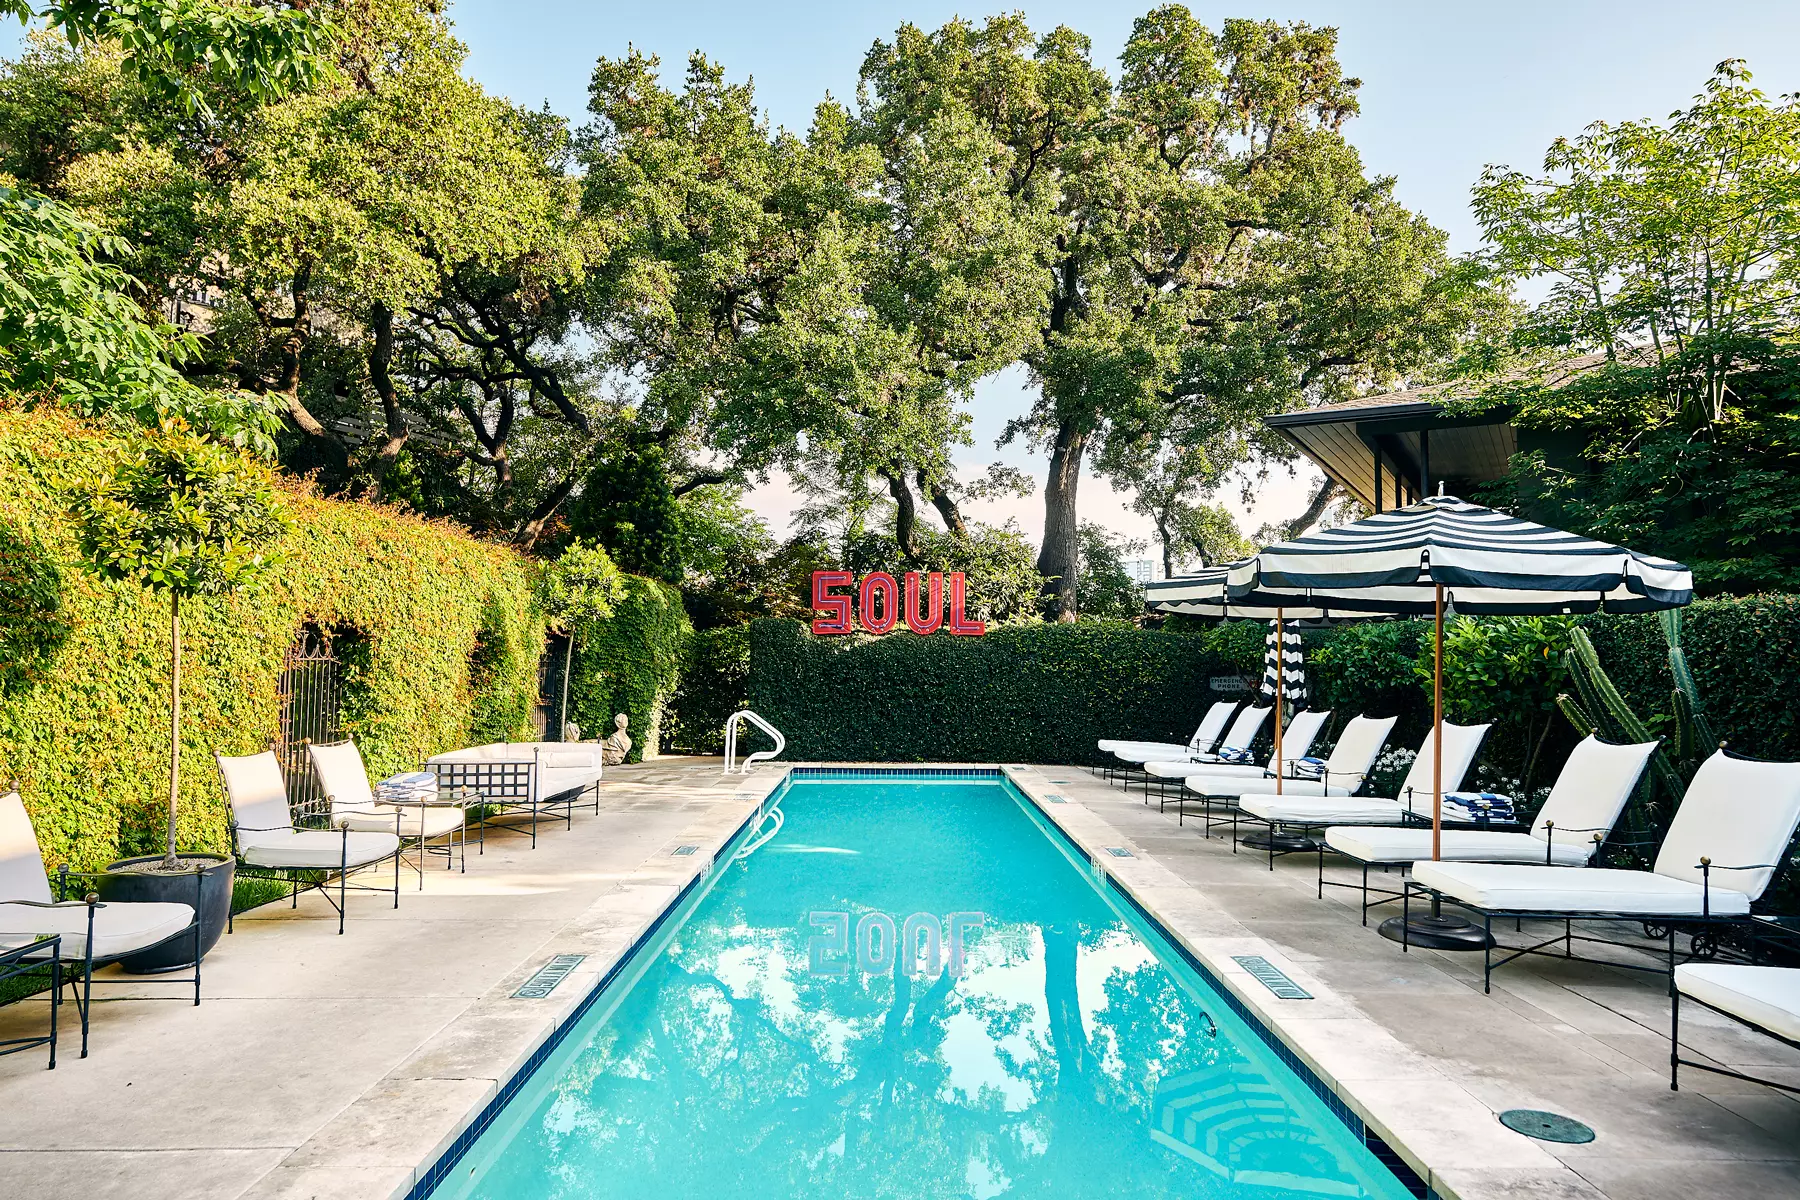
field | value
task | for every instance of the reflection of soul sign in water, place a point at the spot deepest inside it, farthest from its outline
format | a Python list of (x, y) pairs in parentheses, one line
[(918, 942)]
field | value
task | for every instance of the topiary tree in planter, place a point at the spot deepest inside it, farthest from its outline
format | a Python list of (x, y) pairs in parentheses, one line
[(580, 587), (188, 518)]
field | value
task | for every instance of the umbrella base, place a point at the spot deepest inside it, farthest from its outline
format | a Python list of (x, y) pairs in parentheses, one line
[(1280, 843), (1436, 932)]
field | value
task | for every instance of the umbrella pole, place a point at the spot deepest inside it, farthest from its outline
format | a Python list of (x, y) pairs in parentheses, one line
[(1437, 734), (1280, 687), (1436, 931)]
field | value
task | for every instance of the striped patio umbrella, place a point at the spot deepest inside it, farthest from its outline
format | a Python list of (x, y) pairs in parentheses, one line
[(1205, 594), (1284, 665), (1445, 553)]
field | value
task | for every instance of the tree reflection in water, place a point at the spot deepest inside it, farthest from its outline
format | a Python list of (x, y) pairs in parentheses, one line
[(1068, 1061)]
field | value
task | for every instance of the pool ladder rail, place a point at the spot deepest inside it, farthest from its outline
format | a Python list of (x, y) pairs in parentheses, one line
[(731, 736), (768, 824)]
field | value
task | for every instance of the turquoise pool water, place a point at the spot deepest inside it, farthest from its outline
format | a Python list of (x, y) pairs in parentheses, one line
[(914, 991)]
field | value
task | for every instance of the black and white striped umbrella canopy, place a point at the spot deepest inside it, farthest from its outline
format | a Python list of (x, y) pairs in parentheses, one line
[(1203, 594), (1487, 561), (1284, 666)]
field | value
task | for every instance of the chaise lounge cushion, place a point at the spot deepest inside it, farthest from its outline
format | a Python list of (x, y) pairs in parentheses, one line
[(1217, 783), (1295, 809), (119, 929), (1506, 887), (1767, 997), (1387, 844), (319, 849), (415, 820)]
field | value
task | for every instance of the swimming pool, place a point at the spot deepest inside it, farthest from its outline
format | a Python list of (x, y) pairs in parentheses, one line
[(916, 989)]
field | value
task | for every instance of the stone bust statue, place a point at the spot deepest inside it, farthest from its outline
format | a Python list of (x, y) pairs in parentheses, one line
[(614, 749), (571, 732)]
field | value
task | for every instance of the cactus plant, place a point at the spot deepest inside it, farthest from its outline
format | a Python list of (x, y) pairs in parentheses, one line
[(1599, 707)]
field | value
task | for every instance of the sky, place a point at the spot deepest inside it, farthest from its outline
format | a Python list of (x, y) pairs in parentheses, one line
[(1446, 89)]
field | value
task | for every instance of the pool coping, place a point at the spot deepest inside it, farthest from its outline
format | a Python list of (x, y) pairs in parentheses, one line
[(1428, 1124)]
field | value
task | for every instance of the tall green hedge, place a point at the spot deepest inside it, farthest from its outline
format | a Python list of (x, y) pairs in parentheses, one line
[(630, 664), (1033, 693), (715, 682), (446, 652)]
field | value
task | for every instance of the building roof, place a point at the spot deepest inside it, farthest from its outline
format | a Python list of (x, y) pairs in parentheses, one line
[(1411, 436)]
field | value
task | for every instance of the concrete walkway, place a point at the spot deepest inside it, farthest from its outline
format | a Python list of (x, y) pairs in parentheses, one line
[(325, 1066)]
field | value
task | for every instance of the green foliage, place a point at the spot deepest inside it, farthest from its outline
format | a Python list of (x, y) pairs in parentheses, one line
[(1370, 669), (580, 587), (1240, 645), (1105, 589), (715, 683), (630, 663), (182, 49), (71, 331), (628, 507), (180, 515), (32, 624), (1031, 693), (1671, 249), (448, 635), (1507, 671)]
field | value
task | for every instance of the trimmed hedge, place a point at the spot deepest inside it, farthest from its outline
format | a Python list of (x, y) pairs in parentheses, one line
[(630, 664), (1032, 693), (446, 653)]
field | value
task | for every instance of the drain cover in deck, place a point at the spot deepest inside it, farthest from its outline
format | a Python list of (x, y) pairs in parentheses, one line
[(1546, 1126)]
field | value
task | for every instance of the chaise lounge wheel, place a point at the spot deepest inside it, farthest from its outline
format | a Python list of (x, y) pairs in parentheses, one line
[(1654, 931), (1704, 945)]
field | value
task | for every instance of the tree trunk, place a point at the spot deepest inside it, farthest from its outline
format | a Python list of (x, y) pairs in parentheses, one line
[(381, 358), (169, 862), (906, 515), (1060, 555), (946, 506), (1315, 508)]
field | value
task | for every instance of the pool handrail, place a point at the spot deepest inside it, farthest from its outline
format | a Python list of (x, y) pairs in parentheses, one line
[(731, 732)]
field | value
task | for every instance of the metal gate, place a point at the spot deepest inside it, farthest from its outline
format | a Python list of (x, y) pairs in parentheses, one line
[(311, 696)]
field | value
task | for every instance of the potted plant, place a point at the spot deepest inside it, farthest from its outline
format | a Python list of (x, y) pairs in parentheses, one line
[(187, 518), (580, 586)]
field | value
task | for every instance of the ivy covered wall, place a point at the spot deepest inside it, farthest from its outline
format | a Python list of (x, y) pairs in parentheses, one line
[(630, 663), (446, 651)]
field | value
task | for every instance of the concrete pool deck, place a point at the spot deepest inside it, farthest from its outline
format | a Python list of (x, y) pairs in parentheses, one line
[(321, 1066)]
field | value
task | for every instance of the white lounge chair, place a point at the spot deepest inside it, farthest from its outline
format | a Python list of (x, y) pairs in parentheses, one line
[(1765, 998), (93, 933), (522, 777), (1296, 743), (1237, 742), (268, 846), (1723, 848), (1345, 769), (1289, 811), (1206, 736), (1577, 817), (345, 781)]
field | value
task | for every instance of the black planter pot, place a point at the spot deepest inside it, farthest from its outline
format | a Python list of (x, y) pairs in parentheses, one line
[(215, 906)]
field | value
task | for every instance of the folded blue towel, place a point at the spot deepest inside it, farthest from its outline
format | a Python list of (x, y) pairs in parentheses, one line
[(1233, 754), (1479, 806), (1308, 768)]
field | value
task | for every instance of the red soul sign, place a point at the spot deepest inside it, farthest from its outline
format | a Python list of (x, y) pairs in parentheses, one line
[(879, 603)]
